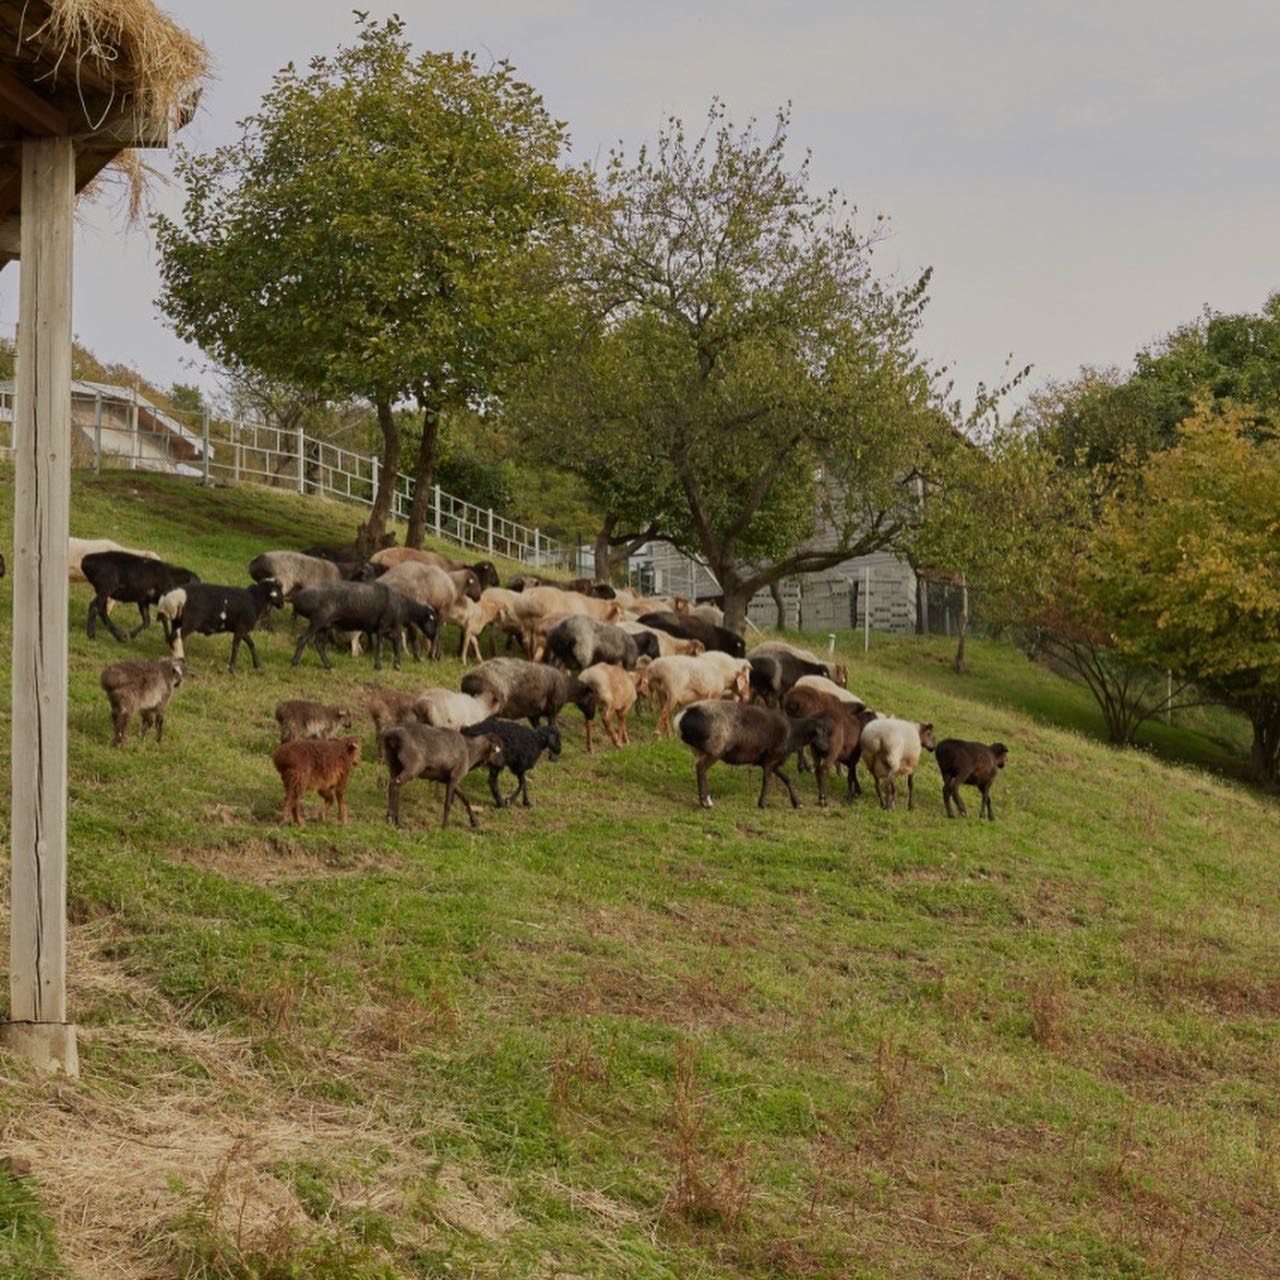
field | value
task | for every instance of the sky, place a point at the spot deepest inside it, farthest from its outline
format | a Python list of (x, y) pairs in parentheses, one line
[(1082, 176)]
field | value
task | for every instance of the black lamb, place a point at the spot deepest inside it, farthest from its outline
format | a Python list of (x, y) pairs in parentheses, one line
[(130, 579), (521, 748)]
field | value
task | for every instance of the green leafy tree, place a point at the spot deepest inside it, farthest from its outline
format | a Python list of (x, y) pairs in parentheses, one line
[(739, 375), (1186, 564), (369, 235)]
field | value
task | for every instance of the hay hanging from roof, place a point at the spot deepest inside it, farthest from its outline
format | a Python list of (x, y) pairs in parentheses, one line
[(120, 55)]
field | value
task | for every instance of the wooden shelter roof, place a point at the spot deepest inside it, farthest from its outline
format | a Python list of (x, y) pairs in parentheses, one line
[(112, 74)]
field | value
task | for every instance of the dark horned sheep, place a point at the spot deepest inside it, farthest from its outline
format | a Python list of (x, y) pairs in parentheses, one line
[(359, 606), (440, 755), (973, 763), (129, 579), (143, 688), (739, 733)]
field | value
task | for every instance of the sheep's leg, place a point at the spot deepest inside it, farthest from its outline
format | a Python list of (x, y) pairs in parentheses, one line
[(101, 602), (523, 791), (586, 724), (946, 796), (159, 722), (701, 765), (394, 783), (397, 647), (253, 651), (986, 804), (622, 726), (466, 804), (764, 786), (145, 613), (298, 648), (493, 788), (610, 729), (147, 719), (786, 782), (326, 795), (822, 771), (319, 641), (120, 723), (880, 794)]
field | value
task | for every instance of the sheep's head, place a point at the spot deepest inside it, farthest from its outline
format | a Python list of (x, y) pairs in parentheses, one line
[(275, 593), (352, 747), (344, 717), (1001, 753), (177, 670), (550, 736), (490, 751), (471, 585), (737, 645), (926, 736), (840, 675), (742, 683)]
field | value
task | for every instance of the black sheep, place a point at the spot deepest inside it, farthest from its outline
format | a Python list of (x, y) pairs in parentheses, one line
[(521, 748), (974, 763), (206, 609), (359, 606), (687, 626), (130, 579)]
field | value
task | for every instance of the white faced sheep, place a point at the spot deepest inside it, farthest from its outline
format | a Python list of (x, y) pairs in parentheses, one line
[(300, 719), (744, 734), (677, 681), (891, 749), (140, 688), (440, 755), (974, 763)]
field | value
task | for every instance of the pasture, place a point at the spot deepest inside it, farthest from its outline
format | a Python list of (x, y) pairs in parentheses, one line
[(618, 1036)]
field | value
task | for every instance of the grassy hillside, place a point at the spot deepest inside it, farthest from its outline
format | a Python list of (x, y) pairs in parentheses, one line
[(616, 1036)]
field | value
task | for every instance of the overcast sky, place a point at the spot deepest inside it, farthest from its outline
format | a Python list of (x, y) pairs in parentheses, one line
[(1082, 175)]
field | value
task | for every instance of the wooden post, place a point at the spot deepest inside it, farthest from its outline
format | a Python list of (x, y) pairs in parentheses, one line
[(235, 463), (302, 465), (38, 1026), (135, 443), (97, 433), (437, 498), (373, 493), (537, 555), (491, 531), (866, 608), (204, 435)]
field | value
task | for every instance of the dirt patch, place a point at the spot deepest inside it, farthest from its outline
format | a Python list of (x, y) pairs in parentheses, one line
[(279, 859)]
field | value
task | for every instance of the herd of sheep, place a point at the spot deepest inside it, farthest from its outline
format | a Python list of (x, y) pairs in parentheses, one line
[(600, 649)]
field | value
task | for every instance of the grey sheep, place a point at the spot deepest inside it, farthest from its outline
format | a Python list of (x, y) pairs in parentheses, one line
[(528, 689), (580, 642), (439, 755), (359, 606)]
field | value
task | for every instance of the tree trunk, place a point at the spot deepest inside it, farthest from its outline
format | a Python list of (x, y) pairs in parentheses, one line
[(603, 557), (775, 590), (959, 666), (1264, 751), (422, 473), (371, 535)]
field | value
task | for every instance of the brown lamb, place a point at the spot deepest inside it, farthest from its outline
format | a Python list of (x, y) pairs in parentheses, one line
[(323, 765), (140, 687)]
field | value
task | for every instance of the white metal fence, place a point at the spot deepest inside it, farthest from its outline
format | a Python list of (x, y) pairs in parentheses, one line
[(116, 428)]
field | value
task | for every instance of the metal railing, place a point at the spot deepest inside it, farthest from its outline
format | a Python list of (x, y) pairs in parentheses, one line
[(116, 428)]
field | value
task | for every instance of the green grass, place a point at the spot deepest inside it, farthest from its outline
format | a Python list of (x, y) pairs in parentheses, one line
[(618, 1036)]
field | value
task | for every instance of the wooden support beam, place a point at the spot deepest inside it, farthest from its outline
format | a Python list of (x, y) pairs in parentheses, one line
[(38, 1024), (28, 110)]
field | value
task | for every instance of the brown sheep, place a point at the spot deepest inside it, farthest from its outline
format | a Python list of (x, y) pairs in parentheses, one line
[(322, 765), (300, 719), (974, 763), (844, 721), (142, 687), (615, 695)]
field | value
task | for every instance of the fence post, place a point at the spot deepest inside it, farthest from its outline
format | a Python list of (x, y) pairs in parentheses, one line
[(133, 426), (302, 466), (204, 435), (537, 555), (437, 500), (373, 496), (491, 531), (866, 609), (235, 459), (97, 433)]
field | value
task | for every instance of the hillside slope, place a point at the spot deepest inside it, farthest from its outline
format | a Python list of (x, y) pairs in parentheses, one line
[(614, 1035)]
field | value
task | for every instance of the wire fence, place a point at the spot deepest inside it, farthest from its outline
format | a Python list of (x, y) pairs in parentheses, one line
[(115, 428)]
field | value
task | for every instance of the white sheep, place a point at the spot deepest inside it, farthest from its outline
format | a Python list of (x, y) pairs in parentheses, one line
[(679, 680), (891, 749), (444, 709)]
